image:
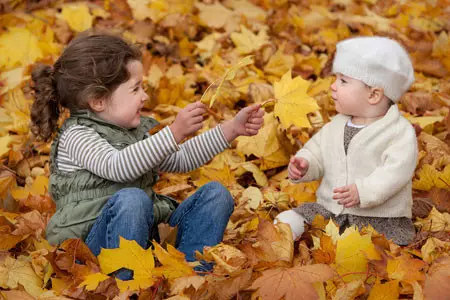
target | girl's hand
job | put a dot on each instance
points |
(247, 122)
(298, 166)
(347, 195)
(188, 121)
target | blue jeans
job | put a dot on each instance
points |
(201, 220)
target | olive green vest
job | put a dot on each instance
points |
(81, 195)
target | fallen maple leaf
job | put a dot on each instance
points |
(247, 42)
(353, 251)
(229, 75)
(293, 283)
(407, 269)
(173, 263)
(293, 102)
(386, 291)
(435, 221)
(19, 271)
(132, 256)
(438, 277)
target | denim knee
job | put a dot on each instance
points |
(133, 201)
(220, 195)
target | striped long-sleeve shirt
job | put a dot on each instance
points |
(81, 147)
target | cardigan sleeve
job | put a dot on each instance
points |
(399, 163)
(311, 151)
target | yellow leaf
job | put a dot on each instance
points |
(333, 231)
(229, 260)
(253, 196)
(154, 76)
(215, 171)
(435, 221)
(386, 291)
(265, 145)
(260, 177)
(18, 46)
(429, 177)
(353, 252)
(229, 75)
(293, 102)
(11, 79)
(214, 16)
(19, 271)
(350, 290)
(247, 8)
(433, 249)
(425, 121)
(404, 268)
(173, 263)
(247, 42)
(77, 16)
(132, 256)
(4, 142)
(93, 280)
(182, 283)
(279, 64)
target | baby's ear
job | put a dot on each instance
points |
(376, 95)
(97, 104)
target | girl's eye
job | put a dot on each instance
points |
(343, 80)
(136, 89)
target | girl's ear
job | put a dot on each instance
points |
(97, 104)
(376, 95)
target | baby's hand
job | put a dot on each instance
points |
(347, 195)
(298, 166)
(188, 121)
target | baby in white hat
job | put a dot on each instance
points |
(366, 156)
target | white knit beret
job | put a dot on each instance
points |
(376, 61)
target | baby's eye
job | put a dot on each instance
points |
(343, 80)
(136, 88)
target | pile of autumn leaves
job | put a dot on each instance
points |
(245, 52)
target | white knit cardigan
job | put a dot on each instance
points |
(380, 160)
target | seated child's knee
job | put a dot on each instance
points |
(295, 220)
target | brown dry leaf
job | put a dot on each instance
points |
(226, 288)
(293, 283)
(438, 277)
(180, 284)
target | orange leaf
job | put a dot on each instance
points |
(294, 283)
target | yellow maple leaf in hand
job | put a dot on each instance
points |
(132, 256)
(293, 102)
(246, 41)
(265, 145)
(229, 75)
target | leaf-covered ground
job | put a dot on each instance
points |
(187, 47)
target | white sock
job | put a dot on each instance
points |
(295, 220)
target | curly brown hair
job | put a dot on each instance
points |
(92, 66)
